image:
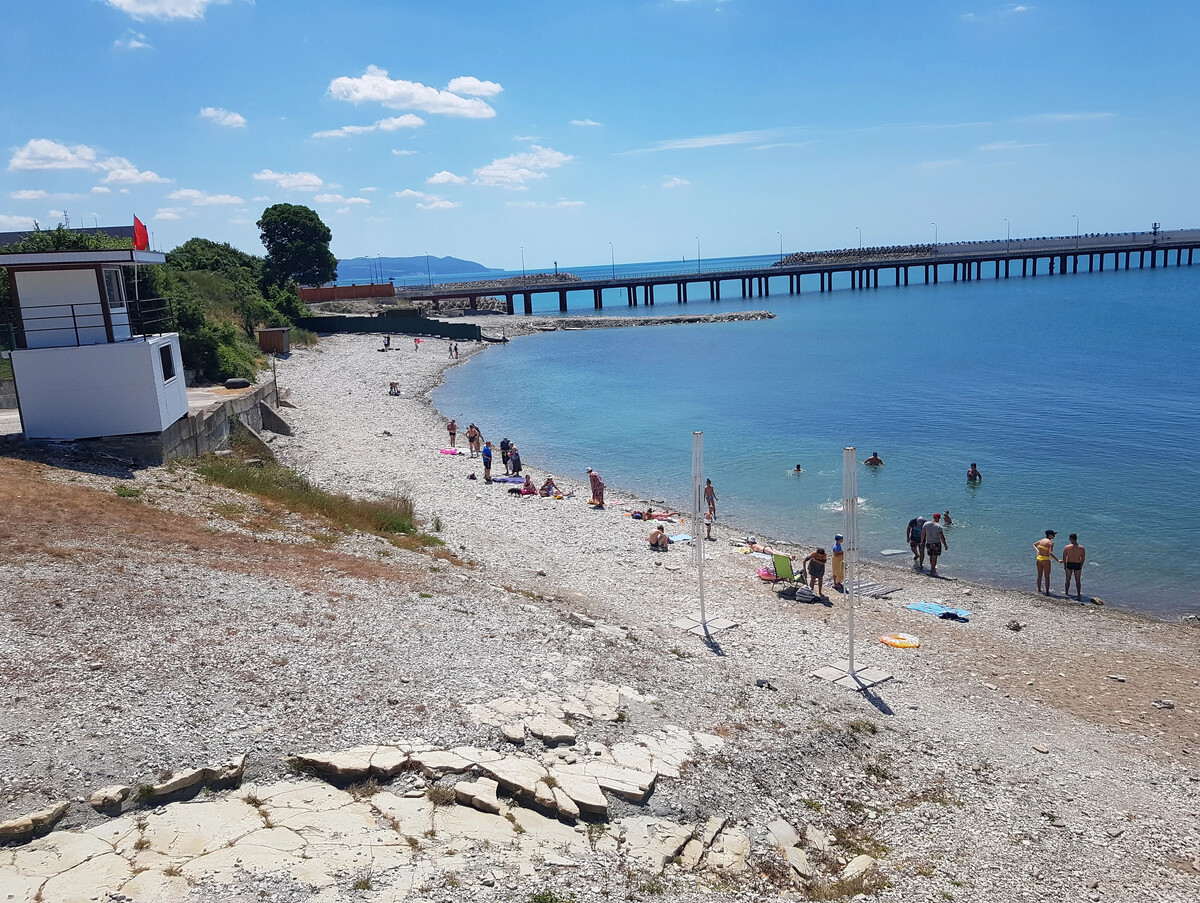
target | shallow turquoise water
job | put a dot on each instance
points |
(1078, 397)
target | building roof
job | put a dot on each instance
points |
(11, 238)
(73, 259)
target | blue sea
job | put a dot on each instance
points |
(1077, 396)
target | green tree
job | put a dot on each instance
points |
(297, 244)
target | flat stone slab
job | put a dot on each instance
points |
(550, 730)
(481, 794)
(653, 842)
(857, 867)
(729, 851)
(783, 835)
(582, 788)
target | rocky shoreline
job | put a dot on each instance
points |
(1039, 751)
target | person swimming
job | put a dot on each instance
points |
(797, 470)
(874, 460)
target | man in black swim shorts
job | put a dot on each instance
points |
(934, 539)
(1072, 558)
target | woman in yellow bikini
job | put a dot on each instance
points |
(1045, 552)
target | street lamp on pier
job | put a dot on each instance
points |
(612, 259)
(780, 234)
(697, 255)
(523, 276)
(1007, 236)
(1076, 215)
(859, 228)
(935, 241)
(428, 275)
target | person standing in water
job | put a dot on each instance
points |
(874, 460)
(934, 540)
(710, 496)
(1045, 552)
(973, 474)
(1072, 559)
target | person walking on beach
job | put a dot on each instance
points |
(913, 536)
(708, 522)
(1045, 552)
(1073, 556)
(710, 496)
(472, 439)
(487, 462)
(597, 488)
(839, 562)
(456, 350)
(505, 445)
(452, 429)
(973, 474)
(934, 540)
(814, 565)
(514, 460)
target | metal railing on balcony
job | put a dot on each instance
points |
(88, 323)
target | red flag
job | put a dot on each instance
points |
(141, 239)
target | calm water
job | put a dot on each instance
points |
(1078, 397)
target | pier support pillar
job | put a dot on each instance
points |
(562, 300)
(508, 303)
(598, 298)
(528, 297)
(1154, 259)
(1091, 262)
(935, 274)
(649, 294)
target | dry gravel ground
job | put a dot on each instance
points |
(190, 624)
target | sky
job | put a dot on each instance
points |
(491, 131)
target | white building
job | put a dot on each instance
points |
(88, 361)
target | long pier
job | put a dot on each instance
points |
(860, 268)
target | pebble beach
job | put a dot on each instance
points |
(1042, 750)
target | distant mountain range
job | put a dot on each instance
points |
(381, 269)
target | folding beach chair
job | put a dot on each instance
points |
(784, 573)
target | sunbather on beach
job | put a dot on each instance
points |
(528, 487)
(814, 565)
(659, 540)
(549, 487)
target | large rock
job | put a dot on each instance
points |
(857, 867)
(513, 732)
(517, 774)
(783, 835)
(440, 762)
(346, 766)
(19, 830)
(480, 793)
(654, 842)
(567, 808)
(550, 730)
(582, 789)
(630, 783)
(818, 840)
(108, 799)
(728, 852)
(798, 860)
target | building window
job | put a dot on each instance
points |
(113, 287)
(168, 363)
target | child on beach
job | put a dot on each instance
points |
(839, 562)
(487, 462)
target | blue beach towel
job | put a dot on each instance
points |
(680, 537)
(941, 611)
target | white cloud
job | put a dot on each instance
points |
(515, 170)
(445, 178)
(42, 153)
(164, 9)
(169, 213)
(132, 40)
(411, 193)
(473, 87)
(392, 124)
(585, 122)
(204, 199)
(29, 194)
(15, 222)
(121, 170)
(404, 153)
(338, 199)
(261, 198)
(439, 204)
(1006, 145)
(526, 138)
(375, 86)
(224, 117)
(725, 139)
(100, 189)
(543, 204)
(1068, 117)
(371, 188)
(675, 182)
(294, 181)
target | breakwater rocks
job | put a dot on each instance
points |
(550, 324)
(855, 255)
(483, 286)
